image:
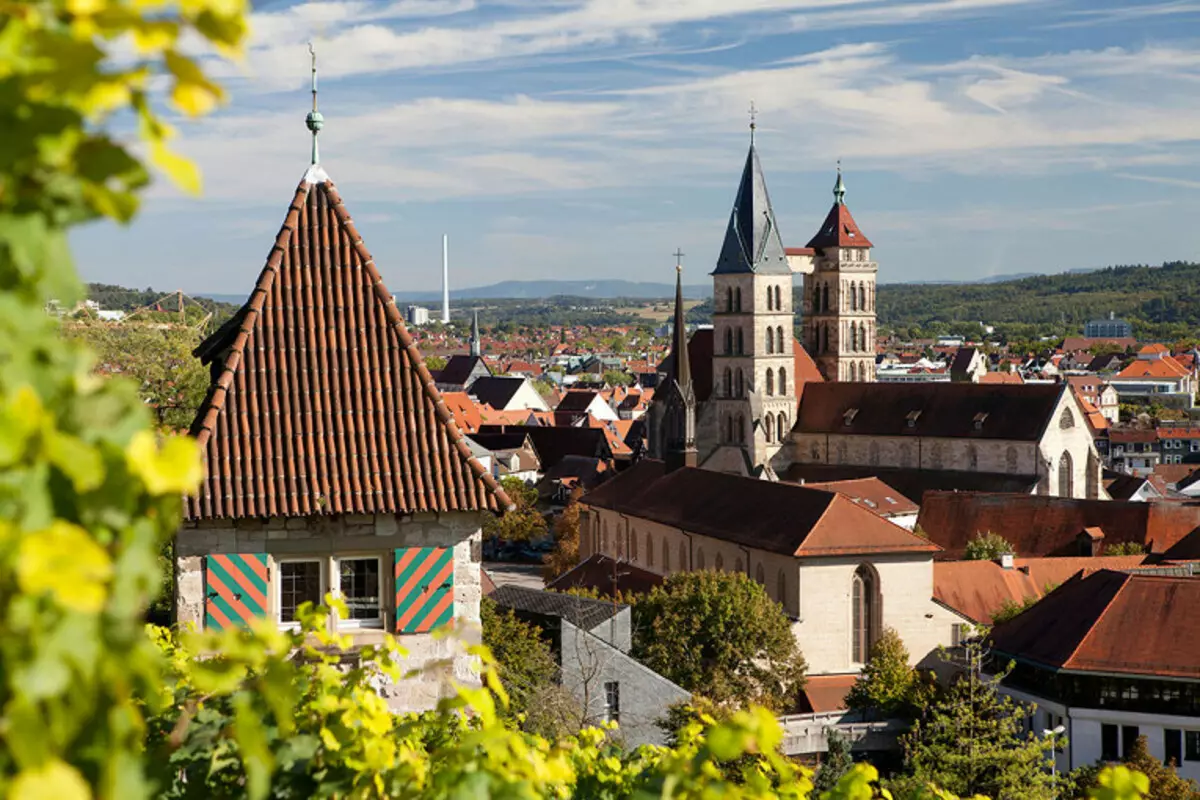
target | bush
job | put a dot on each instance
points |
(987, 547)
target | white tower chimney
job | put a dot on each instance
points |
(445, 279)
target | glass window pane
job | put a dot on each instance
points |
(299, 582)
(359, 584)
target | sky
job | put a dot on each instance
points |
(585, 139)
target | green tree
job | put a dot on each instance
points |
(616, 377)
(718, 634)
(435, 362)
(1165, 781)
(973, 740)
(1011, 608)
(986, 547)
(565, 555)
(1125, 549)
(523, 659)
(835, 763)
(887, 686)
(159, 360)
(523, 521)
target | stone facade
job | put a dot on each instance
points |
(439, 659)
(814, 592)
(1064, 459)
(839, 313)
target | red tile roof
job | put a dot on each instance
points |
(1165, 367)
(1047, 526)
(838, 230)
(872, 494)
(607, 576)
(320, 401)
(799, 251)
(1001, 377)
(1112, 622)
(826, 693)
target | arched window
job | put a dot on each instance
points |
(727, 382)
(1066, 476)
(633, 547)
(825, 300)
(781, 422)
(769, 426)
(862, 294)
(823, 346)
(729, 341)
(741, 427)
(649, 550)
(1067, 420)
(783, 380)
(770, 341)
(729, 299)
(740, 381)
(770, 300)
(719, 564)
(778, 299)
(666, 564)
(1010, 459)
(729, 429)
(760, 575)
(699, 558)
(737, 565)
(854, 297)
(770, 382)
(864, 613)
(683, 556)
(781, 589)
(779, 340)
(737, 298)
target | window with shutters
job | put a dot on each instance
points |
(360, 585)
(300, 581)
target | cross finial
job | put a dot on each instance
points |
(753, 120)
(314, 120)
(679, 254)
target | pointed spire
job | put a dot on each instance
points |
(752, 242)
(314, 120)
(839, 188)
(753, 121)
(683, 368)
(476, 345)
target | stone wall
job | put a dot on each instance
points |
(441, 659)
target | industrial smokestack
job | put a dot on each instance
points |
(445, 279)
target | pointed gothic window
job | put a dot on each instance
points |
(741, 342)
(770, 341)
(770, 382)
(864, 612)
(760, 575)
(782, 423)
(737, 298)
(783, 380)
(825, 301)
(862, 296)
(737, 565)
(854, 297)
(1066, 476)
(683, 553)
(649, 550)
(972, 458)
(816, 300)
(741, 383)
(781, 589)
(729, 341)
(729, 299)
(727, 382)
(778, 298)
(699, 558)
(770, 300)
(719, 563)
(769, 426)
(779, 340)
(633, 548)
(741, 427)
(666, 561)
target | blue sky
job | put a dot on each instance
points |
(590, 138)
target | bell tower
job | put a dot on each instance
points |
(839, 296)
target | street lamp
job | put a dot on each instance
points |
(1052, 733)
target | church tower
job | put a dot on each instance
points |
(754, 385)
(679, 410)
(839, 296)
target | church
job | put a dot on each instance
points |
(769, 406)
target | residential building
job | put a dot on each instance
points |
(331, 463)
(1156, 376)
(1111, 328)
(968, 366)
(580, 403)
(417, 315)
(505, 393)
(1133, 450)
(1099, 393)
(1033, 430)
(1178, 443)
(461, 372)
(1111, 656)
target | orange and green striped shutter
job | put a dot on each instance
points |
(424, 588)
(235, 589)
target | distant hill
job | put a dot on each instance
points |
(1158, 300)
(603, 289)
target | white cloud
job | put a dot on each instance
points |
(1187, 184)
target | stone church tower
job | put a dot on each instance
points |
(839, 297)
(677, 396)
(753, 357)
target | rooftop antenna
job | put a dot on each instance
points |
(314, 120)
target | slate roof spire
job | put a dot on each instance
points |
(681, 368)
(752, 242)
(314, 121)
(475, 340)
(679, 418)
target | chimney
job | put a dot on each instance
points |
(445, 279)
(1005, 561)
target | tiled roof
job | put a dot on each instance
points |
(838, 230)
(777, 517)
(913, 483)
(799, 251)
(1047, 526)
(872, 494)
(496, 390)
(1112, 622)
(583, 612)
(320, 402)
(1001, 377)
(960, 410)
(607, 576)
(752, 242)
(458, 369)
(465, 410)
(1163, 368)
(553, 443)
(576, 400)
(826, 693)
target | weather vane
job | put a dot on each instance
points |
(314, 120)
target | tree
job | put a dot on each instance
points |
(973, 740)
(1011, 608)
(836, 762)
(887, 686)
(565, 555)
(718, 634)
(523, 658)
(1165, 781)
(986, 547)
(1125, 549)
(616, 377)
(521, 523)
(435, 363)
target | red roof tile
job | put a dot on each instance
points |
(320, 401)
(608, 577)
(826, 693)
(838, 230)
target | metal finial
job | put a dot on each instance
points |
(314, 120)
(679, 254)
(839, 188)
(753, 118)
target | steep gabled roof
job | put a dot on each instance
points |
(838, 230)
(320, 402)
(1111, 622)
(752, 242)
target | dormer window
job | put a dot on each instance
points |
(979, 419)
(912, 418)
(848, 416)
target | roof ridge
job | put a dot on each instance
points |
(396, 321)
(1124, 578)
